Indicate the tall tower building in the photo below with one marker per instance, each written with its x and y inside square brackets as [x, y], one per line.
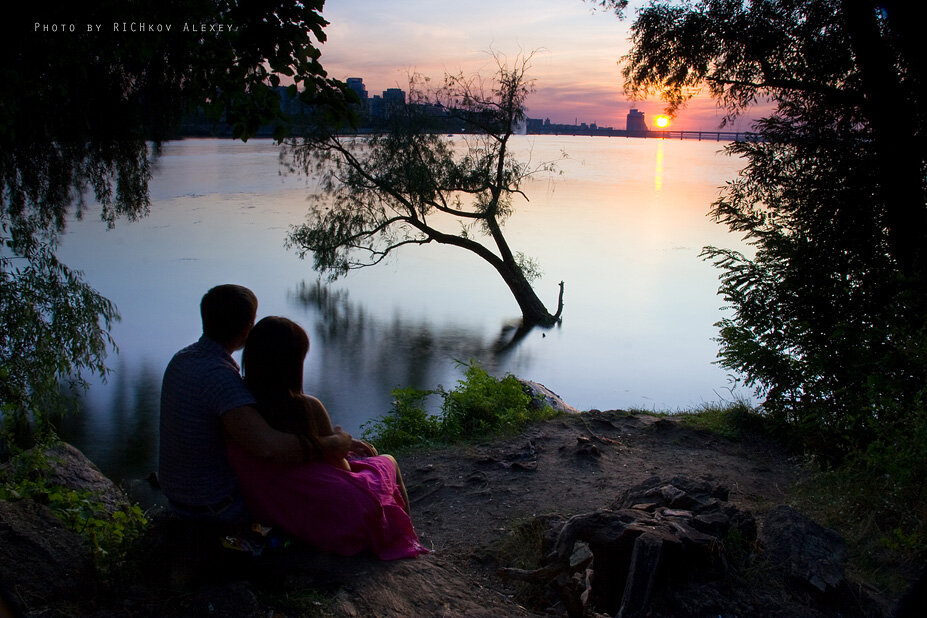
[635, 121]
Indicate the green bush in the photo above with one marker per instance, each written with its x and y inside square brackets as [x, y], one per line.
[407, 424]
[480, 406]
[483, 405]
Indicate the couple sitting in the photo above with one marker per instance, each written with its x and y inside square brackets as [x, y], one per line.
[233, 450]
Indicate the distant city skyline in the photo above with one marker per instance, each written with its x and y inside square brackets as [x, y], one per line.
[379, 106]
[578, 78]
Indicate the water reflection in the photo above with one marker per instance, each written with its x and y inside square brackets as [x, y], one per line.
[356, 358]
[129, 419]
[658, 172]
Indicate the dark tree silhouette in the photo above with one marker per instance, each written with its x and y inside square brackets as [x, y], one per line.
[830, 314]
[412, 185]
[82, 111]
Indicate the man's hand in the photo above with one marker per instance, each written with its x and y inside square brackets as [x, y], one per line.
[363, 449]
[337, 445]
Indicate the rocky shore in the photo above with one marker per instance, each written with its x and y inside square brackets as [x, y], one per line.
[591, 514]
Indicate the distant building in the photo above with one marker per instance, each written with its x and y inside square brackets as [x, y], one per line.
[394, 96]
[290, 105]
[535, 125]
[382, 107]
[357, 85]
[635, 121]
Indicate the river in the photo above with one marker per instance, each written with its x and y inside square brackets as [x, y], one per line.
[622, 225]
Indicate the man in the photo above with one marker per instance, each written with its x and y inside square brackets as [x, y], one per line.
[204, 402]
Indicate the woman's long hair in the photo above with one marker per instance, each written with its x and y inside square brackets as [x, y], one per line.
[273, 365]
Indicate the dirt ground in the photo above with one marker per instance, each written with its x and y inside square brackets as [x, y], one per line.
[466, 500]
[466, 497]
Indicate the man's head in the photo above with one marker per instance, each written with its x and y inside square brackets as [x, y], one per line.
[228, 313]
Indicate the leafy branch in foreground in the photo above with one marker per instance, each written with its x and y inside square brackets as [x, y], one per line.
[55, 326]
[413, 185]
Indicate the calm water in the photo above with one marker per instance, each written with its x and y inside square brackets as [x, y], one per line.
[622, 225]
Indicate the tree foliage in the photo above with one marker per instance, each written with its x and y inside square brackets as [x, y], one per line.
[412, 185]
[828, 313]
[87, 93]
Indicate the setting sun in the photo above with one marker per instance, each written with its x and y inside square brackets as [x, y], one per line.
[662, 122]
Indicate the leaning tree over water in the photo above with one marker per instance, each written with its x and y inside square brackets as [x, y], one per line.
[412, 185]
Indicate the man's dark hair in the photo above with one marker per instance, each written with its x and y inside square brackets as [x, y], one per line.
[226, 311]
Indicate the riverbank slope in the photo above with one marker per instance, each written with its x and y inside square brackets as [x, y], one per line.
[493, 509]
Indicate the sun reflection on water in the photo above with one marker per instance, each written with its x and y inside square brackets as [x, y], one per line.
[658, 170]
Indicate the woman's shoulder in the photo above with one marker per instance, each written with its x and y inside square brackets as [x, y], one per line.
[309, 403]
[303, 400]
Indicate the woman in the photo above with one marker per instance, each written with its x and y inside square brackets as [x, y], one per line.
[345, 505]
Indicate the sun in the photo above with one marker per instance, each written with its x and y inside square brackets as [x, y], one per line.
[662, 122]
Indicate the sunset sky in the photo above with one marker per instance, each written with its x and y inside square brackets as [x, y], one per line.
[576, 68]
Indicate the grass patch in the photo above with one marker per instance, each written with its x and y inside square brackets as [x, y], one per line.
[730, 420]
[480, 406]
[525, 547]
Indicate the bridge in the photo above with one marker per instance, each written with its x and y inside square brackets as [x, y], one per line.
[714, 136]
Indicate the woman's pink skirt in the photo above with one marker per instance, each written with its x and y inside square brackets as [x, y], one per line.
[333, 509]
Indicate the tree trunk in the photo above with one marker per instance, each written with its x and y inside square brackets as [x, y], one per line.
[533, 311]
[901, 154]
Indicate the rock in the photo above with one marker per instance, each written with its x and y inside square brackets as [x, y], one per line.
[69, 468]
[40, 560]
[680, 492]
[147, 494]
[42, 563]
[807, 551]
[586, 450]
[542, 396]
[712, 523]
[678, 526]
[645, 562]
[603, 528]
[581, 556]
